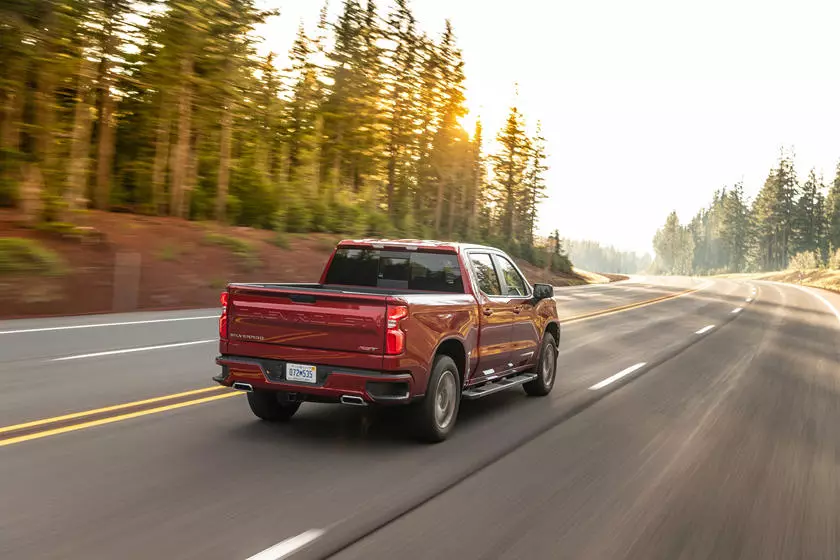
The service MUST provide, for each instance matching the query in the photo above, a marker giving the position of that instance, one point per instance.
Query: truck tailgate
(320, 319)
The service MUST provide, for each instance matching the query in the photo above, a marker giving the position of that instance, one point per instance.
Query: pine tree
(832, 213)
(509, 167)
(773, 215)
(735, 228)
(534, 183)
(401, 83)
(114, 13)
(808, 216)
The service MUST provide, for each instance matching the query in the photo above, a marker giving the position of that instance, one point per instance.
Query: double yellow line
(628, 307)
(27, 431)
(223, 393)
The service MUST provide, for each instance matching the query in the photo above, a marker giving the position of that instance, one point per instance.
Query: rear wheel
(546, 369)
(267, 406)
(434, 417)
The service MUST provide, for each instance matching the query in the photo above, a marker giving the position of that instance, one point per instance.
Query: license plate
(300, 372)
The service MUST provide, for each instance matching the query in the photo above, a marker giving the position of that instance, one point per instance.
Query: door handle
(488, 311)
(517, 309)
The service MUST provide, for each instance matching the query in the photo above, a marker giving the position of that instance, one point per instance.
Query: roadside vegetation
(791, 224)
(171, 112)
(25, 256)
(244, 250)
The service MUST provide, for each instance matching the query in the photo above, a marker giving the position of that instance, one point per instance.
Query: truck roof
(411, 244)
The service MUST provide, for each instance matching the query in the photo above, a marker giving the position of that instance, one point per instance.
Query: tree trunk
(32, 194)
(80, 147)
(316, 157)
(45, 121)
(439, 205)
(182, 148)
(475, 197)
(10, 169)
(224, 165)
(105, 152)
(461, 205)
(161, 157)
(12, 114)
(192, 177)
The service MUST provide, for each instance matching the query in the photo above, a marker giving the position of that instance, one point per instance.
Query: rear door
(525, 337)
(496, 315)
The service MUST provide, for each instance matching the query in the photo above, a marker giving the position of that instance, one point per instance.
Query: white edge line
(706, 329)
(820, 297)
(98, 325)
(287, 547)
(737, 310)
(749, 300)
(130, 350)
(617, 376)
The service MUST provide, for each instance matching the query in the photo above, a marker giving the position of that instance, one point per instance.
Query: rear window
(397, 270)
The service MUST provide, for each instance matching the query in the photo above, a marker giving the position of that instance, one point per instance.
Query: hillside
(123, 262)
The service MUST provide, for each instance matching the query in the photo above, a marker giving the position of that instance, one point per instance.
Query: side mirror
(543, 291)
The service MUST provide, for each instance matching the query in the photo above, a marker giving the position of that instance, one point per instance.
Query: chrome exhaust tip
(243, 387)
(352, 400)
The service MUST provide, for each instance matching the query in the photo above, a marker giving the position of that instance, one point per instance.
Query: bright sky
(647, 106)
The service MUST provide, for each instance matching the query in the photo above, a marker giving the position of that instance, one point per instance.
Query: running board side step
(496, 386)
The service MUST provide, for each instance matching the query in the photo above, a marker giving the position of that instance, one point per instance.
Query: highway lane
(729, 450)
(36, 386)
(210, 482)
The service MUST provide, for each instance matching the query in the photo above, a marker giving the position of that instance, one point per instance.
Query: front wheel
(546, 369)
(434, 416)
(267, 406)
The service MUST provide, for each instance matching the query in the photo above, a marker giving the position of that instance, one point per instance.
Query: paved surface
(718, 445)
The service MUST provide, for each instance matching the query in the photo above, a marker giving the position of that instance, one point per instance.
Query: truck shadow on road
(385, 427)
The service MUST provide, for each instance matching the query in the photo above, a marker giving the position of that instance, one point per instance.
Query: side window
(515, 284)
(485, 273)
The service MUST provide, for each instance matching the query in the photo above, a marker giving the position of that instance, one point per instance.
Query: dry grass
(817, 278)
(591, 277)
(825, 279)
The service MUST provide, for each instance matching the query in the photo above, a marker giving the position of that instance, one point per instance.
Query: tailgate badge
(368, 348)
(247, 336)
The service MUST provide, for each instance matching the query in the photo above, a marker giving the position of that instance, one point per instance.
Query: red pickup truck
(418, 323)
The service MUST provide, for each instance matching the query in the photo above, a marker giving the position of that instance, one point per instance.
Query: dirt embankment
(126, 262)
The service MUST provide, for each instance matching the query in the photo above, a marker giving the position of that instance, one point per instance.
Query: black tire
(266, 405)
(434, 417)
(546, 369)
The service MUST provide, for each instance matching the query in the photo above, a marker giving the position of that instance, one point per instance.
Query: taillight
(223, 319)
(394, 335)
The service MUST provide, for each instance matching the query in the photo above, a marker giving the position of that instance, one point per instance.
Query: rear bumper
(332, 382)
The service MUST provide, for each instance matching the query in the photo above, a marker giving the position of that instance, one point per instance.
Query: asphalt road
(718, 440)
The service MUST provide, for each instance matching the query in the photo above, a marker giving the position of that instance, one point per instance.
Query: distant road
(692, 418)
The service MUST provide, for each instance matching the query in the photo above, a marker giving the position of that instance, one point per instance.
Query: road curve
(692, 418)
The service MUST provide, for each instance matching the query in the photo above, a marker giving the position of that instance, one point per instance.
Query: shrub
(298, 216)
(834, 260)
(278, 221)
(280, 239)
(806, 260)
(18, 255)
(346, 218)
(378, 224)
(321, 217)
(561, 263)
(234, 208)
(170, 252)
(239, 247)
